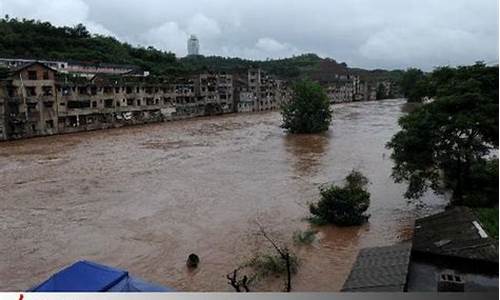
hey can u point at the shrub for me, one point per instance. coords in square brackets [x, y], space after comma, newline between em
[266, 265]
[343, 205]
[308, 111]
[304, 237]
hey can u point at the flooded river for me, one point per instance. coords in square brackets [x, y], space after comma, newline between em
[143, 198]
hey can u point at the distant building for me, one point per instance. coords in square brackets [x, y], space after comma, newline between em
[84, 69]
[193, 45]
[37, 100]
[259, 91]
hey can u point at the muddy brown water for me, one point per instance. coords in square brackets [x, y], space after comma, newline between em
[143, 198]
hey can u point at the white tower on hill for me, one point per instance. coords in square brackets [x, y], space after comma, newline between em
[193, 45]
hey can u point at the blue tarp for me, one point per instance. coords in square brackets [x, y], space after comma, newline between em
[86, 276]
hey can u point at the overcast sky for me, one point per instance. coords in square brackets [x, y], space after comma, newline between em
[362, 33]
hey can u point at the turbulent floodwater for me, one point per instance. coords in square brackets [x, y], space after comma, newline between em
[143, 198]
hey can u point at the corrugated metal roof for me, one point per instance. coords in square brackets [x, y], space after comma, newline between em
[383, 269]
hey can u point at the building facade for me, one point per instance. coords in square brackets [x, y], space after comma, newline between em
[346, 88]
[258, 91]
[36, 100]
[193, 45]
[84, 69]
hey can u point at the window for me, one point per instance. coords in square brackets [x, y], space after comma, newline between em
[31, 91]
[11, 92]
[108, 103]
[66, 91]
[45, 75]
[47, 90]
[94, 103]
[49, 124]
[32, 75]
[82, 90]
[79, 104]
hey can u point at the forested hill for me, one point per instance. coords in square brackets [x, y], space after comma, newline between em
[32, 39]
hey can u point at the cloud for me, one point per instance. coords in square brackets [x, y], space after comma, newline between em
[270, 45]
[59, 13]
[167, 36]
[439, 46]
[264, 48]
[203, 26]
[363, 33]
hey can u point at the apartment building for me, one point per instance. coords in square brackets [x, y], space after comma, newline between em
[258, 91]
[215, 92]
[345, 88]
[36, 100]
[29, 107]
[84, 69]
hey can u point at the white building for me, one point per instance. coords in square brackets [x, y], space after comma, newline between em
[193, 45]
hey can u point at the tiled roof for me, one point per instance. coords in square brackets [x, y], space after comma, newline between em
[383, 269]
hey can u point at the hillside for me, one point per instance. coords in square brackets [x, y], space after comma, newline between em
[32, 39]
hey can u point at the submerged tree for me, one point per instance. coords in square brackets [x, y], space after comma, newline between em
[309, 109]
[343, 205]
[282, 263]
[446, 144]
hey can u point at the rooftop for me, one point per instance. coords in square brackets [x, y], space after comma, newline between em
[454, 233]
[451, 242]
[380, 269]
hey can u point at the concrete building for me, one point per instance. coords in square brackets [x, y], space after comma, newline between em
[3, 115]
[84, 69]
[193, 45]
[36, 100]
[258, 91]
[343, 88]
[29, 101]
[215, 92]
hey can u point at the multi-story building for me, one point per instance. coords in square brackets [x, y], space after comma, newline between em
[36, 100]
[257, 91]
[193, 45]
[215, 91]
[344, 89]
[3, 115]
[29, 101]
[84, 69]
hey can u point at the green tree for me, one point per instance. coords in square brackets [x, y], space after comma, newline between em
[309, 109]
[412, 84]
[343, 205]
[381, 92]
[447, 144]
